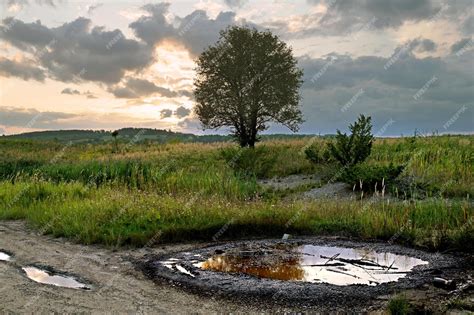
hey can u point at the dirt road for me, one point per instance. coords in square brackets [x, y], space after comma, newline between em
[117, 286]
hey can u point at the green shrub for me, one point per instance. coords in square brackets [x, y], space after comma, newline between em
[249, 162]
[370, 177]
[317, 155]
[353, 149]
[399, 306]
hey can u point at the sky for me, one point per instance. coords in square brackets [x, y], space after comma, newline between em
[67, 64]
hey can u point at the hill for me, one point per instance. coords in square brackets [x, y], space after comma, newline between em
[124, 135]
[133, 134]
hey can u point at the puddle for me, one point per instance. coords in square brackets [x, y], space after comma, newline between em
[4, 256]
[316, 264]
[46, 277]
[172, 264]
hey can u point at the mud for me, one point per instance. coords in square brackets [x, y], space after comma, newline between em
[117, 286]
[260, 290]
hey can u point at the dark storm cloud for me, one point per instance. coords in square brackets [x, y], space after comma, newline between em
[348, 16]
[77, 51]
[196, 30]
[135, 88]
[186, 93]
[406, 71]
[166, 113]
[389, 13]
[467, 25]
[420, 93]
[423, 45]
[11, 116]
[459, 45]
[152, 29]
[348, 72]
[182, 112]
[25, 70]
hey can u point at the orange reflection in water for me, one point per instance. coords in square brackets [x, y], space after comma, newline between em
[288, 268]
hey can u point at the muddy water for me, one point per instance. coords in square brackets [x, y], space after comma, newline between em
[317, 264]
[45, 277]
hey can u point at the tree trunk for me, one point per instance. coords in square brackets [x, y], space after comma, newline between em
[252, 139]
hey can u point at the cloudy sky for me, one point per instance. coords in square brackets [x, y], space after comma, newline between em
[67, 64]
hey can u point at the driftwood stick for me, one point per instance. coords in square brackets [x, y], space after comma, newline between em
[325, 265]
[332, 258]
[356, 262]
[344, 273]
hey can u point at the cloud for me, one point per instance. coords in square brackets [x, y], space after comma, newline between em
[89, 95]
[342, 17]
[191, 124]
[25, 70]
[420, 93]
[467, 25]
[91, 8]
[135, 88]
[70, 91]
[31, 118]
[23, 120]
[166, 113]
[186, 93]
[457, 46]
[389, 13]
[182, 112]
[423, 45]
[196, 30]
[403, 69]
[77, 51]
[235, 3]
[20, 4]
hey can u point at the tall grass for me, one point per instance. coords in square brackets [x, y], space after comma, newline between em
[110, 216]
[190, 191]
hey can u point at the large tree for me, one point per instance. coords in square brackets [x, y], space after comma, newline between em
[246, 80]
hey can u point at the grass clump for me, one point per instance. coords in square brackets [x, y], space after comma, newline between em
[399, 305]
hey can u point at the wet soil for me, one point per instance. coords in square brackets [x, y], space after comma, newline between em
[117, 286]
[262, 289]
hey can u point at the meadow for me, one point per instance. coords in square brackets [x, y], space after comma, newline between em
[139, 194]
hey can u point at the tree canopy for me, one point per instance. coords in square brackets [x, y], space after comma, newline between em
[248, 79]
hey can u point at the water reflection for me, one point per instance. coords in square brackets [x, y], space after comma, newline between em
[309, 263]
[4, 256]
[280, 269]
[45, 277]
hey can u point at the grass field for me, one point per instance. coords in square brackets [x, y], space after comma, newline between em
[149, 193]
